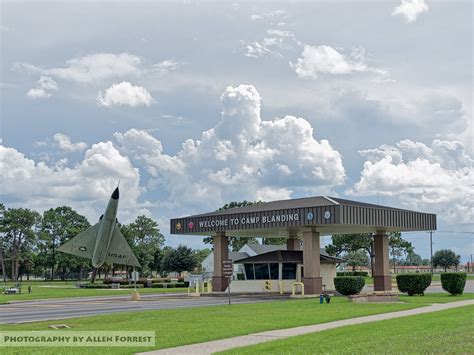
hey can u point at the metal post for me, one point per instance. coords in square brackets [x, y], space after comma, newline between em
[134, 280]
[228, 287]
[431, 251]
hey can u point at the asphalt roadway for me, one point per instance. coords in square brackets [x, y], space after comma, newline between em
[51, 309]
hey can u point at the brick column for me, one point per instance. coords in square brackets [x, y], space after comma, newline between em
[312, 280]
[221, 252]
[382, 280]
[292, 243]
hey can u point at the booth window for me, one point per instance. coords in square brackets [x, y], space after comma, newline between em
[249, 274]
[261, 271]
[289, 271]
[274, 271]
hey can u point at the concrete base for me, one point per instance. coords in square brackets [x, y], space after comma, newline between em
[312, 285]
[382, 283]
[374, 297]
[220, 283]
[135, 296]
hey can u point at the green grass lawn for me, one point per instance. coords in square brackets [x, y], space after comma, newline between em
[192, 325]
[43, 290]
[443, 332]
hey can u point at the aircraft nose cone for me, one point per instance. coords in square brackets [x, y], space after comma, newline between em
[116, 194]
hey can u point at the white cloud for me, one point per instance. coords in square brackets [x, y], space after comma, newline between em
[64, 143]
[272, 15]
[44, 86]
[86, 186]
[242, 157]
[38, 93]
[165, 66]
[438, 178]
[274, 41]
[98, 67]
[410, 9]
[125, 93]
[317, 60]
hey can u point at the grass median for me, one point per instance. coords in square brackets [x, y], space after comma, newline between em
[194, 325]
[443, 332]
[46, 290]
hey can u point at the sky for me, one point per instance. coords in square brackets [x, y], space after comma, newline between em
[191, 105]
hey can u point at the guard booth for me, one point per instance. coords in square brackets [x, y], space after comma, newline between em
[306, 220]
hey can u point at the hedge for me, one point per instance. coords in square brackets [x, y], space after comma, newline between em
[413, 284]
[349, 285]
[453, 282]
[169, 284]
[353, 273]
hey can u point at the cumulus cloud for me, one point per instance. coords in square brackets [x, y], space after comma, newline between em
[272, 15]
[241, 157]
[410, 9]
[438, 177]
[274, 41]
[317, 60]
[64, 143]
[165, 66]
[44, 86]
[125, 94]
[85, 186]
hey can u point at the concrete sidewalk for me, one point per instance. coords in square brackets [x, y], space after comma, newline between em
[256, 338]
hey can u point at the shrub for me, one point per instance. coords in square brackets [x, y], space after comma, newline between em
[240, 276]
[115, 280]
[132, 286]
[94, 286]
[157, 285]
[349, 285]
[353, 273]
[453, 282]
[413, 284]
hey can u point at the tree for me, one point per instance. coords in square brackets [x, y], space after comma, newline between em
[446, 258]
[145, 239]
[346, 243]
[19, 228]
[357, 258]
[201, 254]
[180, 259]
[2, 243]
[235, 243]
[413, 258]
[398, 247]
[59, 225]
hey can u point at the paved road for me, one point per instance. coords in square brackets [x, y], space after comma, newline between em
[31, 311]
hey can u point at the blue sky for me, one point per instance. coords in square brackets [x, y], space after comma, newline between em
[192, 105]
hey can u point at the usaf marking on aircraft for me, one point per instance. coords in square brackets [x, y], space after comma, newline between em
[103, 242]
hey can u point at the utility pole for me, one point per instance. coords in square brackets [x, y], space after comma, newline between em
[431, 250]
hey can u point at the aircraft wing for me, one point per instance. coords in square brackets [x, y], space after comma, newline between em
[82, 244]
[119, 251]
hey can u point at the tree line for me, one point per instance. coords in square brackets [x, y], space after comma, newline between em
[29, 243]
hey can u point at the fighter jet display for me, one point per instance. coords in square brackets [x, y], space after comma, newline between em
[103, 242]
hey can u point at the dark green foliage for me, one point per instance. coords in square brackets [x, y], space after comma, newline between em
[349, 285]
[413, 284]
[240, 276]
[353, 273]
[115, 281]
[446, 258]
[453, 282]
[180, 259]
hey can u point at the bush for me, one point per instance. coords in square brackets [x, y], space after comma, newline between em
[349, 285]
[413, 284]
[131, 286]
[115, 280]
[453, 282]
[157, 285]
[353, 273]
[94, 286]
[240, 276]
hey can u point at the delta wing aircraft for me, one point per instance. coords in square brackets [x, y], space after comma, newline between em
[103, 241]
